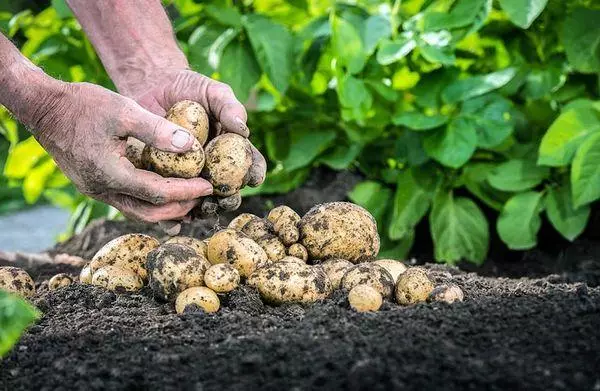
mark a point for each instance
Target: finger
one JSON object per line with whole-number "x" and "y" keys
{"x": 154, "y": 130}
{"x": 258, "y": 170}
{"x": 230, "y": 203}
{"x": 140, "y": 210}
{"x": 227, "y": 109}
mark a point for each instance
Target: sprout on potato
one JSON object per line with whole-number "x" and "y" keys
{"x": 335, "y": 270}
{"x": 60, "y": 280}
{"x": 127, "y": 252}
{"x": 117, "y": 279}
{"x": 299, "y": 251}
{"x": 369, "y": 274}
{"x": 413, "y": 286}
{"x": 222, "y": 278}
{"x": 203, "y": 297}
{"x": 364, "y": 298}
{"x": 395, "y": 268}
{"x": 16, "y": 280}
{"x": 228, "y": 158}
{"x": 235, "y": 248}
{"x": 447, "y": 293}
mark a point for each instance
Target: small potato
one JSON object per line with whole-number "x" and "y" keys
{"x": 201, "y": 296}
{"x": 299, "y": 251}
{"x": 257, "y": 228}
{"x": 127, "y": 252}
{"x": 117, "y": 279}
{"x": 230, "y": 203}
{"x": 191, "y": 116}
{"x": 60, "y": 280}
{"x": 290, "y": 281}
{"x": 395, "y": 268}
{"x": 273, "y": 247}
{"x": 237, "y": 249}
{"x": 339, "y": 230}
{"x": 413, "y": 286}
{"x": 133, "y": 152}
{"x": 197, "y": 245}
{"x": 369, "y": 274}
{"x": 85, "y": 276}
{"x": 222, "y": 278}
{"x": 446, "y": 293}
{"x": 285, "y": 223}
{"x": 174, "y": 268}
{"x": 240, "y": 220}
{"x": 228, "y": 158}
{"x": 364, "y": 298}
{"x": 335, "y": 269}
{"x": 175, "y": 165}
{"x": 16, "y": 280}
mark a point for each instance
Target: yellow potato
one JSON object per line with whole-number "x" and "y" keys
{"x": 222, "y": 278}
{"x": 285, "y": 223}
{"x": 85, "y": 276}
{"x": 446, "y": 293}
{"x": 235, "y": 248}
{"x": 364, "y": 298}
{"x": 127, "y": 252}
{"x": 197, "y": 245}
{"x": 239, "y": 221}
{"x": 117, "y": 279}
{"x": 273, "y": 247}
{"x": 174, "y": 268}
{"x": 16, "y": 280}
{"x": 202, "y": 296}
{"x": 335, "y": 269}
{"x": 299, "y": 251}
{"x": 413, "y": 286}
{"x": 175, "y": 165}
{"x": 257, "y": 228}
{"x": 133, "y": 152}
{"x": 369, "y": 274}
{"x": 339, "y": 230}
{"x": 191, "y": 116}
{"x": 395, "y": 268}
{"x": 228, "y": 158}
{"x": 60, "y": 280}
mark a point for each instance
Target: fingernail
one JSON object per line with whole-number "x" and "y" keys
{"x": 180, "y": 138}
{"x": 242, "y": 126}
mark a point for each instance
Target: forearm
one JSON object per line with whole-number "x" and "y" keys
{"x": 133, "y": 38}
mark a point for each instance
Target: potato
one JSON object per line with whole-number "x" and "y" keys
{"x": 117, "y": 279}
{"x": 16, "y": 280}
{"x": 240, "y": 220}
{"x": 364, "y": 298}
{"x": 201, "y": 296}
{"x": 176, "y": 165}
{"x": 369, "y": 274}
{"x": 273, "y": 247}
{"x": 222, "y": 278}
{"x": 230, "y": 203}
{"x": 85, "y": 275}
{"x": 197, "y": 245}
{"x": 173, "y": 268}
{"x": 413, "y": 286}
{"x": 339, "y": 230}
{"x": 299, "y": 251}
{"x": 60, "y": 280}
{"x": 257, "y": 228}
{"x": 446, "y": 293}
{"x": 335, "y": 269}
{"x": 191, "y": 116}
{"x": 127, "y": 252}
{"x": 293, "y": 260}
{"x": 395, "y": 268}
{"x": 228, "y": 158}
{"x": 285, "y": 223}
{"x": 133, "y": 152}
{"x": 291, "y": 281}
{"x": 237, "y": 249}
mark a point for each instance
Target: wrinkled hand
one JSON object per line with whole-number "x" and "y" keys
{"x": 85, "y": 128}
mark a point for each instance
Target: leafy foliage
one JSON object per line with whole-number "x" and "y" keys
{"x": 16, "y": 315}
{"x": 451, "y": 109}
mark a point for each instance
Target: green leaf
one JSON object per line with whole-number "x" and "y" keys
{"x": 354, "y": 95}
{"x": 459, "y": 229}
{"x": 228, "y": 16}
{"x": 491, "y": 117}
{"x": 278, "y": 182}
{"x": 308, "y": 144}
{"x": 239, "y": 69}
{"x": 398, "y": 250}
{"x": 411, "y": 203}
{"x": 199, "y": 45}
{"x": 517, "y": 175}
{"x": 347, "y": 45}
{"x": 23, "y": 157}
{"x": 376, "y": 28}
{"x": 35, "y": 181}
{"x": 542, "y": 82}
{"x": 419, "y": 121}
{"x": 454, "y": 145}
{"x": 462, "y": 14}
{"x": 16, "y": 315}
{"x": 62, "y": 9}
{"x": 567, "y": 133}
{"x": 477, "y": 85}
{"x": 523, "y": 13}
{"x": 581, "y": 39}
{"x": 585, "y": 172}
{"x": 520, "y": 220}
{"x": 437, "y": 54}
{"x": 474, "y": 178}
{"x": 273, "y": 45}
{"x": 567, "y": 220}
{"x": 391, "y": 51}
{"x": 372, "y": 196}
{"x": 341, "y": 157}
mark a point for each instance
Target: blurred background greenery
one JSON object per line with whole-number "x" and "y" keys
{"x": 477, "y": 115}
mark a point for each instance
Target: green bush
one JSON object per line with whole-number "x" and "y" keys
{"x": 444, "y": 106}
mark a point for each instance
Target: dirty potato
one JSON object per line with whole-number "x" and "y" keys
{"x": 127, "y": 252}
{"x": 395, "y": 268}
{"x": 191, "y": 116}
{"x": 117, "y": 279}
{"x": 176, "y": 165}
{"x": 85, "y": 275}
{"x": 285, "y": 223}
{"x": 335, "y": 269}
{"x": 230, "y": 203}
{"x": 413, "y": 286}
{"x": 447, "y": 293}
{"x": 364, "y": 298}
{"x": 173, "y": 268}
{"x": 289, "y": 282}
{"x": 369, "y": 274}
{"x": 133, "y": 152}
{"x": 239, "y": 221}
{"x": 16, "y": 280}
{"x": 299, "y": 251}
{"x": 197, "y": 245}
{"x": 203, "y": 297}
{"x": 60, "y": 280}
{"x": 339, "y": 230}
{"x": 237, "y": 249}
{"x": 257, "y": 228}
{"x": 228, "y": 158}
{"x": 273, "y": 247}
{"x": 222, "y": 278}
